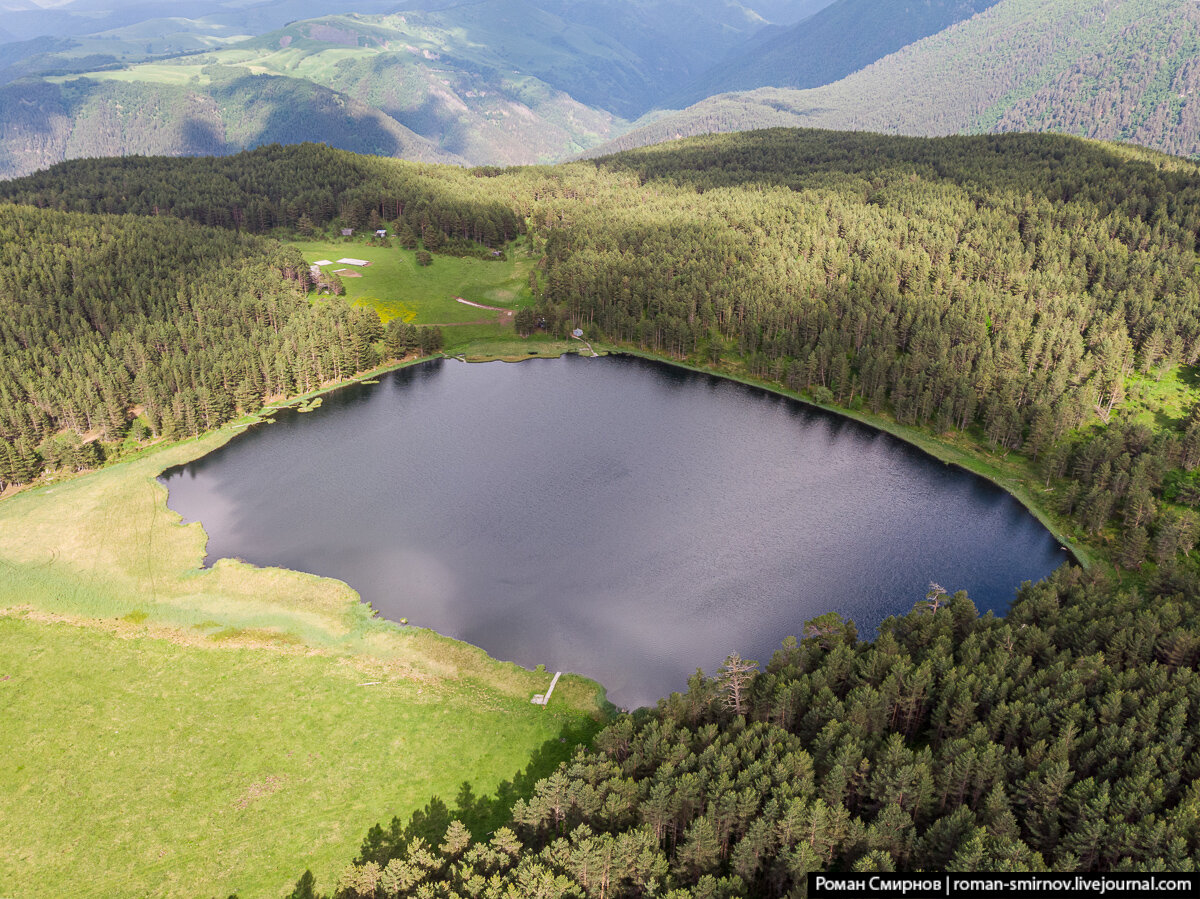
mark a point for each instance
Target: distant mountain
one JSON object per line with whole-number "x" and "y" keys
{"x": 24, "y": 20}
{"x": 841, "y": 38}
{"x": 788, "y": 12}
{"x": 1112, "y": 69}
{"x": 496, "y": 81}
{"x": 42, "y": 122}
{"x": 620, "y": 56}
{"x": 152, "y": 39}
{"x": 523, "y": 81}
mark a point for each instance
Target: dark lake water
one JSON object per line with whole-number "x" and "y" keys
{"x": 614, "y": 517}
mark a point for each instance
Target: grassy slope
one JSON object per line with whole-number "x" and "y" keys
{"x": 137, "y": 765}
{"x": 150, "y": 72}
{"x": 397, "y": 287}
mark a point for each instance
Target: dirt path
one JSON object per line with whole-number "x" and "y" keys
{"x": 502, "y": 316}
{"x": 589, "y": 346}
{"x": 481, "y": 306}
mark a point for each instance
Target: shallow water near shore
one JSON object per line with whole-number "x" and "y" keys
{"x": 615, "y": 517}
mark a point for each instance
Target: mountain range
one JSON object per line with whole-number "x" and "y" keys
{"x": 504, "y": 82}
{"x": 499, "y": 81}
{"x": 1126, "y": 70}
{"x": 832, "y": 43}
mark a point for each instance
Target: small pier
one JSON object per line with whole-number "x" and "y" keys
{"x": 543, "y": 698}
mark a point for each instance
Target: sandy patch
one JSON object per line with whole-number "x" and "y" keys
{"x": 262, "y": 790}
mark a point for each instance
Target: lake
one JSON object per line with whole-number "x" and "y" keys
{"x": 614, "y": 517}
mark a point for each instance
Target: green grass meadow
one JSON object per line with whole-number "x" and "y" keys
{"x": 153, "y": 72}
{"x": 135, "y": 765}
{"x": 396, "y": 287}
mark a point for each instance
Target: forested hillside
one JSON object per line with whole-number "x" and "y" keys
{"x": 148, "y": 325}
{"x": 1110, "y": 69}
{"x": 453, "y": 84}
{"x": 102, "y": 318}
{"x": 842, "y": 38}
{"x": 279, "y": 187}
{"x": 42, "y": 123}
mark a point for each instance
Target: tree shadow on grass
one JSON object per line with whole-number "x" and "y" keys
{"x": 481, "y": 815}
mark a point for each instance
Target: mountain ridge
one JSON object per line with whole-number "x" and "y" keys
{"x": 1108, "y": 69}
{"x": 494, "y": 81}
{"x": 829, "y": 45}
{"x": 48, "y": 122}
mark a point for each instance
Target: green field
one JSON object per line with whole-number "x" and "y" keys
{"x": 170, "y": 730}
{"x": 153, "y": 72}
{"x": 397, "y": 287}
{"x": 137, "y": 765}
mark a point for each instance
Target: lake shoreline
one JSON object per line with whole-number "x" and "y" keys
{"x": 925, "y": 441}
{"x": 959, "y": 457}
{"x": 968, "y": 460}
{"x": 527, "y": 531}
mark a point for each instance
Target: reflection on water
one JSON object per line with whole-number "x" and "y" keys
{"x": 619, "y": 518}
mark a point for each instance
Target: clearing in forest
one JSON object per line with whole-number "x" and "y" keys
{"x": 396, "y": 287}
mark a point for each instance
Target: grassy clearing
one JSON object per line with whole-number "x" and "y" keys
{"x": 148, "y": 752}
{"x": 151, "y": 72}
{"x": 314, "y": 61}
{"x": 483, "y": 343}
{"x": 1164, "y": 402}
{"x": 396, "y": 287}
{"x": 137, "y": 766}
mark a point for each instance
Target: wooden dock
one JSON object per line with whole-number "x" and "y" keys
{"x": 542, "y": 699}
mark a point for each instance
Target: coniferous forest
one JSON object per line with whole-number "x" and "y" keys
{"x": 1018, "y": 288}
{"x": 187, "y": 326}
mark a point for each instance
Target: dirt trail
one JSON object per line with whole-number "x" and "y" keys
{"x": 481, "y": 306}
{"x": 502, "y": 316}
